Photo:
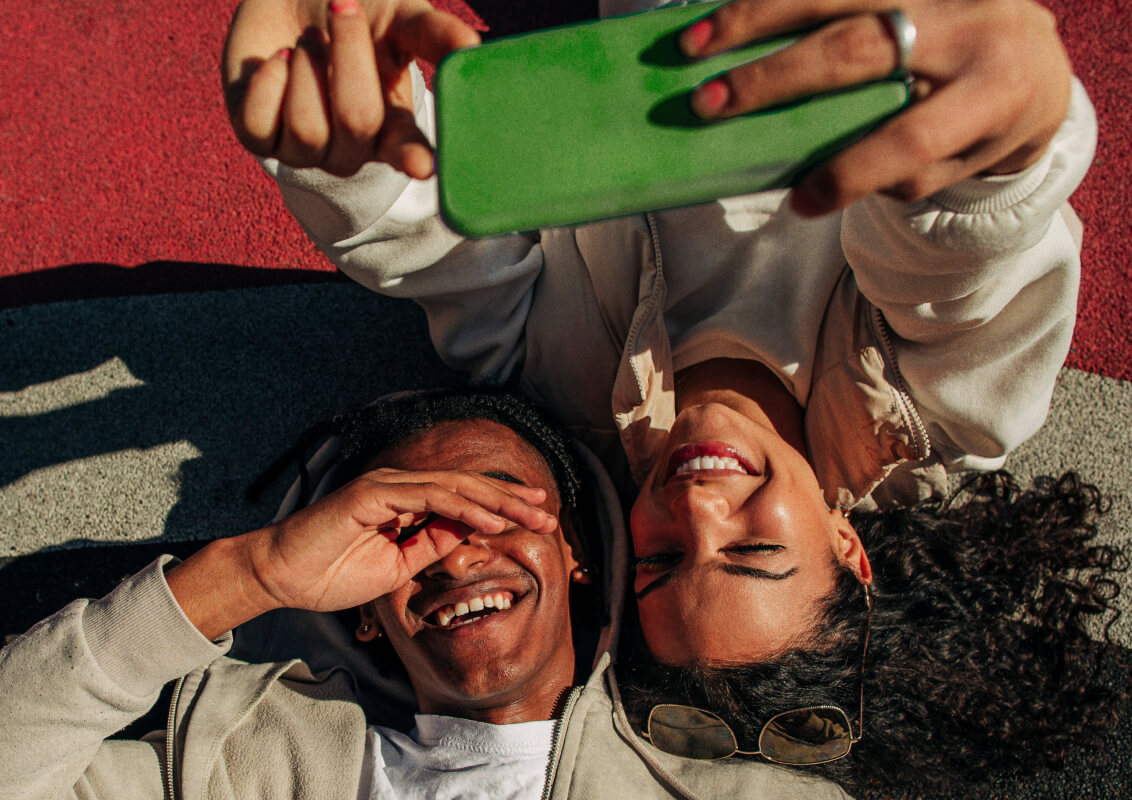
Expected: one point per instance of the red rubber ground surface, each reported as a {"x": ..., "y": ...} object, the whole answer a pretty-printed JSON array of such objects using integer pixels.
[{"x": 118, "y": 173}]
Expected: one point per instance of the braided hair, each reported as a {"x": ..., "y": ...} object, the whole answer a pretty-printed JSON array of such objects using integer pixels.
[
  {"x": 372, "y": 428},
  {"x": 367, "y": 430}
]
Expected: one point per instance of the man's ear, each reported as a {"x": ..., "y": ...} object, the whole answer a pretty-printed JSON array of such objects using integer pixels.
[
  {"x": 582, "y": 575},
  {"x": 848, "y": 549},
  {"x": 368, "y": 628},
  {"x": 576, "y": 559}
]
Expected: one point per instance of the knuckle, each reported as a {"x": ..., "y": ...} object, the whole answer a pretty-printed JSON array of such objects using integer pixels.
[
  {"x": 859, "y": 44},
  {"x": 358, "y": 122},
  {"x": 731, "y": 16},
  {"x": 308, "y": 139},
  {"x": 296, "y": 159},
  {"x": 919, "y": 143},
  {"x": 342, "y": 169},
  {"x": 746, "y": 86}
]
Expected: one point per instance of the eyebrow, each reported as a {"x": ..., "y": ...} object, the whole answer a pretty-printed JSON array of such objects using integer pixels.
[{"x": 730, "y": 569}]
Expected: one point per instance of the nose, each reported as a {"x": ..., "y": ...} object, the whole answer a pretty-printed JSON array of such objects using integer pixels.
[
  {"x": 468, "y": 555},
  {"x": 699, "y": 517},
  {"x": 698, "y": 505}
]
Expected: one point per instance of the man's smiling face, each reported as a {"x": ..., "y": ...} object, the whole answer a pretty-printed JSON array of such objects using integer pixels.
[{"x": 514, "y": 652}]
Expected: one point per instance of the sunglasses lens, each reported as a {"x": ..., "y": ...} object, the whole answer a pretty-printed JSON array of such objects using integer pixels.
[
  {"x": 807, "y": 736},
  {"x": 690, "y": 732}
]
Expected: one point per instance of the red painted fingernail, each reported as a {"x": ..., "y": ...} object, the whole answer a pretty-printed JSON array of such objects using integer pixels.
[
  {"x": 284, "y": 55},
  {"x": 695, "y": 37},
  {"x": 344, "y": 7},
  {"x": 711, "y": 96}
]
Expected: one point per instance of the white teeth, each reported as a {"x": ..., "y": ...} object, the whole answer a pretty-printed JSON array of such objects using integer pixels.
[
  {"x": 500, "y": 601},
  {"x": 705, "y": 463}
]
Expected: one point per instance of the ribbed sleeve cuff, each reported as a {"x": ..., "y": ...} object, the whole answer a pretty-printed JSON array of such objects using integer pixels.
[
  {"x": 140, "y": 637},
  {"x": 994, "y": 193}
]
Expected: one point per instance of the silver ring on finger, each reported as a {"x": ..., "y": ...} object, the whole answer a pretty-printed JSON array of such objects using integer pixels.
[{"x": 903, "y": 32}]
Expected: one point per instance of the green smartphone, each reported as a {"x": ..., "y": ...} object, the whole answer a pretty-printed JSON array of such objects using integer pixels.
[{"x": 593, "y": 120}]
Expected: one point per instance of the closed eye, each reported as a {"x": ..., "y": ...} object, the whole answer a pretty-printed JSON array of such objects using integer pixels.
[
  {"x": 666, "y": 562},
  {"x": 753, "y": 549},
  {"x": 644, "y": 563},
  {"x": 657, "y": 560}
]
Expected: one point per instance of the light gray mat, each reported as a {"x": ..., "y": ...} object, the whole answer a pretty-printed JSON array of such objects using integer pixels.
[
  {"x": 145, "y": 418},
  {"x": 131, "y": 419}
]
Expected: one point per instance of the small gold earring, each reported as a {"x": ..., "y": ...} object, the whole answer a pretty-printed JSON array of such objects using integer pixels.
[{"x": 365, "y": 628}]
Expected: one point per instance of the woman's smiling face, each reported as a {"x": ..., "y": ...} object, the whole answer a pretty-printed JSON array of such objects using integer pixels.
[{"x": 734, "y": 544}]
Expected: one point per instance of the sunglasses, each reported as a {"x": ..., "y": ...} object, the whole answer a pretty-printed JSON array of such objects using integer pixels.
[{"x": 802, "y": 737}]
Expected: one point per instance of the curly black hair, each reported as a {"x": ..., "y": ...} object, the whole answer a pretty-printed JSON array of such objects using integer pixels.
[{"x": 980, "y": 656}]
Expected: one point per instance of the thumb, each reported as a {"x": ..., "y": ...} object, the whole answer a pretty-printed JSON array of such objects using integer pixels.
[{"x": 417, "y": 30}]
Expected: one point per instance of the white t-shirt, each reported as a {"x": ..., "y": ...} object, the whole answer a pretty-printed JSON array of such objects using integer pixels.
[{"x": 444, "y": 758}]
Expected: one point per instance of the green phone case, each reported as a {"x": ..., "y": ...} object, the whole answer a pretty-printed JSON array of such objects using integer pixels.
[{"x": 592, "y": 121}]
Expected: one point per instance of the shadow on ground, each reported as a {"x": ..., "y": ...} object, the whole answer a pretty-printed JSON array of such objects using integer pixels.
[{"x": 129, "y": 419}]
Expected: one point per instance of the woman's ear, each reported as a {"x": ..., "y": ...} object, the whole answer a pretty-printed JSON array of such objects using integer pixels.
[
  {"x": 369, "y": 628},
  {"x": 848, "y": 549}
]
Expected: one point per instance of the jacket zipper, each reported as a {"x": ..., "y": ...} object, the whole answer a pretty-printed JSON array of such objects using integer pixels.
[
  {"x": 556, "y": 742},
  {"x": 170, "y": 787},
  {"x": 921, "y": 441},
  {"x": 635, "y": 331}
]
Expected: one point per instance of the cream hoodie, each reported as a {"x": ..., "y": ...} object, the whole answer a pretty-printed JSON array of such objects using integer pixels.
[{"x": 918, "y": 337}]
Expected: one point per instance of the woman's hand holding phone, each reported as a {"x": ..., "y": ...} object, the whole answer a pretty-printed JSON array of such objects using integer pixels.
[
  {"x": 318, "y": 85},
  {"x": 992, "y": 80},
  {"x": 324, "y": 85}
]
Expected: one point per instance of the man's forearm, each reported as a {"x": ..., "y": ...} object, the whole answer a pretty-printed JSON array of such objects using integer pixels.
[{"x": 217, "y": 589}]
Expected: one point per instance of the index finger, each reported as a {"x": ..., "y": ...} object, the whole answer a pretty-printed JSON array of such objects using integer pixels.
[
  {"x": 742, "y": 21},
  {"x": 450, "y": 478},
  {"x": 466, "y": 496}
]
